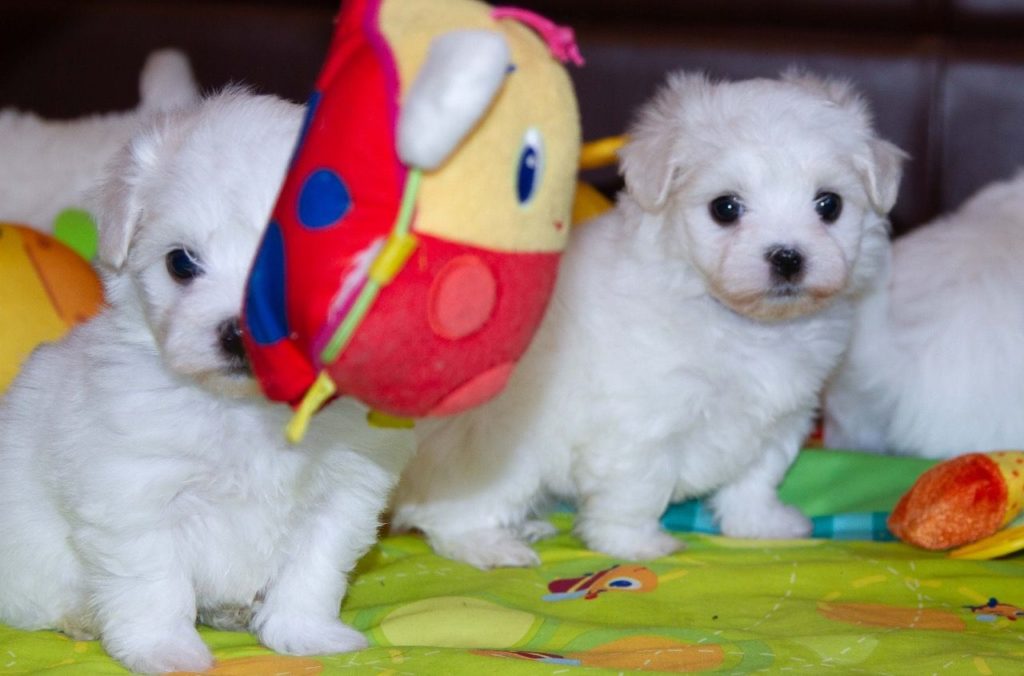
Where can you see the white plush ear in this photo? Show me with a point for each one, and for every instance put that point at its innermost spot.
(653, 157)
(167, 82)
(454, 88)
(882, 172)
(116, 199)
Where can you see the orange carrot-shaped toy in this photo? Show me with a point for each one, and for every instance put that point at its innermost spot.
(963, 500)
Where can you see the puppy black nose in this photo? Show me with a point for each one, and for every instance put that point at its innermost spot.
(230, 335)
(787, 263)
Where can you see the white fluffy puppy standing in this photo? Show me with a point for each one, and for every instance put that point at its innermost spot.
(50, 165)
(936, 367)
(145, 479)
(689, 335)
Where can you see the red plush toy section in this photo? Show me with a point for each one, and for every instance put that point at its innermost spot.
(952, 504)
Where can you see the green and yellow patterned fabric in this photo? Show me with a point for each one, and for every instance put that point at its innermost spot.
(722, 605)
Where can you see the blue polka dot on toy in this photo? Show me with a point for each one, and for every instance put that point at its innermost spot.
(323, 199)
(265, 300)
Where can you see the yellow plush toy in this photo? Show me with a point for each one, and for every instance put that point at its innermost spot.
(46, 287)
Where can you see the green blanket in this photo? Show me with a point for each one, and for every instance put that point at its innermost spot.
(732, 606)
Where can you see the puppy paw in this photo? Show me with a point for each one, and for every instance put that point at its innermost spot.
(536, 529)
(79, 626)
(629, 542)
(227, 617)
(774, 521)
(296, 634)
(486, 548)
(157, 653)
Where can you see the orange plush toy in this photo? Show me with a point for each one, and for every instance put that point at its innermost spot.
(963, 500)
(46, 287)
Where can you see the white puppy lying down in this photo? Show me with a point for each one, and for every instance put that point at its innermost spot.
(689, 334)
(144, 477)
(936, 367)
(50, 165)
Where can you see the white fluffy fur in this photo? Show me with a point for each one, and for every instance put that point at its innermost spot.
(50, 165)
(936, 367)
(667, 367)
(144, 478)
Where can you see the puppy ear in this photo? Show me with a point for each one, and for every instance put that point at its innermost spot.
(646, 162)
(116, 199)
(651, 159)
(881, 170)
(881, 166)
(167, 82)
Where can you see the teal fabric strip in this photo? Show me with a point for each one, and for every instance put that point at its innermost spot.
(847, 494)
(693, 516)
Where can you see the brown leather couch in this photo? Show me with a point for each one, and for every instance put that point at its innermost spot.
(945, 77)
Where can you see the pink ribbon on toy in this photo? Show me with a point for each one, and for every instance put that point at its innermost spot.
(561, 39)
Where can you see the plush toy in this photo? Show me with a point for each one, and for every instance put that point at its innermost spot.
(415, 241)
(962, 501)
(46, 287)
(589, 201)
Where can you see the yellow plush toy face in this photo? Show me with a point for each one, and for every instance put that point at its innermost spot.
(508, 187)
(45, 288)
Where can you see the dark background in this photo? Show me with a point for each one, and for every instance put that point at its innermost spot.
(945, 77)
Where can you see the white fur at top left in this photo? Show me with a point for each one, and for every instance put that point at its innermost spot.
(47, 166)
(145, 480)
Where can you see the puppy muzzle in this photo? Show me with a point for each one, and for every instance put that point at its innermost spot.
(232, 348)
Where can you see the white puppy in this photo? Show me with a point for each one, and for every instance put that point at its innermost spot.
(144, 478)
(936, 367)
(690, 331)
(50, 165)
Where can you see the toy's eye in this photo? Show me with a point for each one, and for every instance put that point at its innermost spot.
(828, 205)
(726, 209)
(182, 265)
(624, 583)
(531, 165)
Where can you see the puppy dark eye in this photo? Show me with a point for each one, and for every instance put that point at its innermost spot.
(726, 209)
(828, 205)
(182, 265)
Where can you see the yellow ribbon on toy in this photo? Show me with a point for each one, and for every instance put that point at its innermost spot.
(589, 202)
(322, 389)
(602, 152)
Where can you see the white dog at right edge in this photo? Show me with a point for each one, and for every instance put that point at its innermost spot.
(936, 367)
(690, 333)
